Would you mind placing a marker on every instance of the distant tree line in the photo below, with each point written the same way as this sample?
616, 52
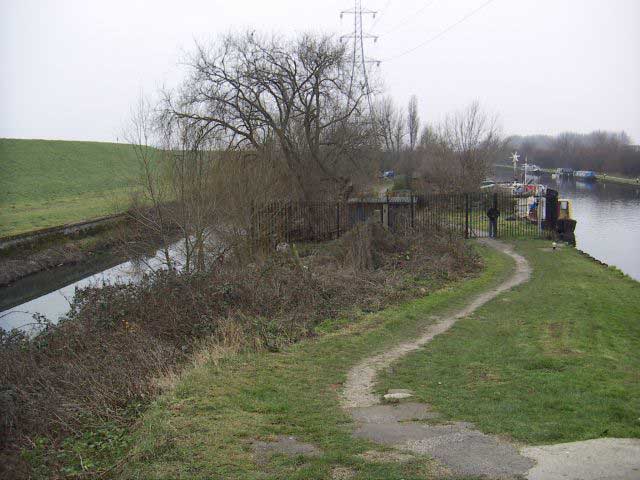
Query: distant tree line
453, 155
600, 151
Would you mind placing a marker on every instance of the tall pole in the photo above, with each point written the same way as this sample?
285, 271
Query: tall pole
514, 159
540, 210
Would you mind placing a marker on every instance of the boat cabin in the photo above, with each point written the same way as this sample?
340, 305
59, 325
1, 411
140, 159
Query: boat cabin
565, 212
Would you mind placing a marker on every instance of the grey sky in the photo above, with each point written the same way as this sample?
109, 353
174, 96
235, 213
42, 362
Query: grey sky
71, 69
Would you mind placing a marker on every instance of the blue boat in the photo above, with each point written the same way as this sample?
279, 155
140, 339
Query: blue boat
586, 175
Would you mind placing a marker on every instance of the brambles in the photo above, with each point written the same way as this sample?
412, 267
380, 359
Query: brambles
118, 342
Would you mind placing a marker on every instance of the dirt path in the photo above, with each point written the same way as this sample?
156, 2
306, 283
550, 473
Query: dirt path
358, 391
458, 446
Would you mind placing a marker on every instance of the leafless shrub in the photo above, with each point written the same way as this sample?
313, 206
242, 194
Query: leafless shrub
458, 154
368, 244
120, 340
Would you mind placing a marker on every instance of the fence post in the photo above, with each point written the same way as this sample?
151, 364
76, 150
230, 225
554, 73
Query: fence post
252, 228
412, 212
495, 205
338, 219
287, 236
466, 215
539, 213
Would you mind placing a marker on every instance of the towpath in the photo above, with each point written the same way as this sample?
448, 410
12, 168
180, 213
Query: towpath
459, 446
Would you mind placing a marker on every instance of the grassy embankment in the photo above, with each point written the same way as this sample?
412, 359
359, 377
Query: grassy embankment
554, 361
45, 183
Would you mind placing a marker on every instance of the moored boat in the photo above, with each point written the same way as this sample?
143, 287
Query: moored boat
520, 189
586, 175
532, 169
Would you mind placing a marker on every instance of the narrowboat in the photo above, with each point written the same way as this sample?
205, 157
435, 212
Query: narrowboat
532, 169
564, 171
586, 175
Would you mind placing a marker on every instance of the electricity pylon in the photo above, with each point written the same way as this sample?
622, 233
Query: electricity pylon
358, 36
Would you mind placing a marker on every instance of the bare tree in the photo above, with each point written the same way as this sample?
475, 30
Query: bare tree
599, 150
151, 194
458, 154
289, 100
191, 155
391, 127
258, 119
413, 122
428, 137
174, 205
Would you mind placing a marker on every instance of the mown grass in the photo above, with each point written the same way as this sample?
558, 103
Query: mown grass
555, 360
203, 427
44, 183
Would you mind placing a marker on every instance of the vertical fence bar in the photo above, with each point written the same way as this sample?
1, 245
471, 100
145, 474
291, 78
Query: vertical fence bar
412, 211
495, 205
466, 215
287, 222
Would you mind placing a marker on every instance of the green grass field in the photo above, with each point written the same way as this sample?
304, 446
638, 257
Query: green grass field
45, 183
555, 360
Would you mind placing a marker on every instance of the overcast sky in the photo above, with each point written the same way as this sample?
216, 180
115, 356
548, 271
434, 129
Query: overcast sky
71, 69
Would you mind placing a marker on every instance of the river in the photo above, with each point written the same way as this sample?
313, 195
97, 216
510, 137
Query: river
608, 216
608, 228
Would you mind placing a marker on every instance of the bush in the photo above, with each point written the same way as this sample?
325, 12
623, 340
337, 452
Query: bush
401, 183
119, 341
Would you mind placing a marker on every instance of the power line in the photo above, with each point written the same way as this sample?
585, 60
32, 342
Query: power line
384, 9
408, 18
441, 33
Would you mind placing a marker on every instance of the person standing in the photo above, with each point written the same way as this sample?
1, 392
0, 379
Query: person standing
493, 213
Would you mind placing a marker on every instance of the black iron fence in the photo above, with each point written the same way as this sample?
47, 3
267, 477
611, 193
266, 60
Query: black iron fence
461, 213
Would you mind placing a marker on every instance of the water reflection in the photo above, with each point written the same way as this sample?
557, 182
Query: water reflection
55, 304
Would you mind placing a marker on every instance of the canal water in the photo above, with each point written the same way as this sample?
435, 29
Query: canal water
608, 216
49, 293
608, 228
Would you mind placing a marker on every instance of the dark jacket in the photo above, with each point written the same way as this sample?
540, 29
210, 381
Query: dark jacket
493, 213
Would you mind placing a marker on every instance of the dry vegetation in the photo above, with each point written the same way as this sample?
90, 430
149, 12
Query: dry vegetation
454, 155
119, 341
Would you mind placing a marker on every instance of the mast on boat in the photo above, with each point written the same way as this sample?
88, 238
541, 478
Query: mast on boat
514, 159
